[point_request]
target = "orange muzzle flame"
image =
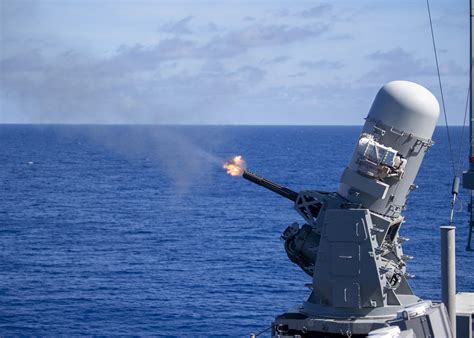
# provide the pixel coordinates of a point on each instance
(235, 166)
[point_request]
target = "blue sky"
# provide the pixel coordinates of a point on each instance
(222, 62)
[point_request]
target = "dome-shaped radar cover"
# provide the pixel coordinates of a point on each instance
(406, 106)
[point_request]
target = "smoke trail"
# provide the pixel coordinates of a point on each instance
(185, 158)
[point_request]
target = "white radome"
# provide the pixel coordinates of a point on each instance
(406, 106)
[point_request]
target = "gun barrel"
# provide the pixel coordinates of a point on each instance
(282, 191)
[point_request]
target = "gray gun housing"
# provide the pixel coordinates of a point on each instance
(300, 244)
(350, 243)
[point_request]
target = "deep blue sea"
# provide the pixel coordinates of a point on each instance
(137, 230)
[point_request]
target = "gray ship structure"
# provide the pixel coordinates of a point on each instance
(349, 240)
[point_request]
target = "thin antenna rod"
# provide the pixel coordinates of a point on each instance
(468, 176)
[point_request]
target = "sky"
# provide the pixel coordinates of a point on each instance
(223, 62)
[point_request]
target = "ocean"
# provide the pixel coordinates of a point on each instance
(137, 230)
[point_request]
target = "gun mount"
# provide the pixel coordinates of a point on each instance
(350, 243)
(300, 243)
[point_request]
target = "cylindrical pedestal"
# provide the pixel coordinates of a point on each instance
(448, 272)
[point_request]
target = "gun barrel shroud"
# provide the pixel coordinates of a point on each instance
(282, 191)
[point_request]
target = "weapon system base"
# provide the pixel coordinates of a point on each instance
(429, 321)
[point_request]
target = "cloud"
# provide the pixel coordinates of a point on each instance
(250, 74)
(341, 37)
(180, 27)
(395, 54)
(299, 74)
(211, 27)
(15, 13)
(162, 82)
(316, 11)
(453, 69)
(308, 13)
(213, 66)
(343, 100)
(260, 35)
(280, 12)
(130, 86)
(399, 64)
(61, 63)
(321, 64)
(275, 60)
(227, 45)
(167, 49)
(140, 83)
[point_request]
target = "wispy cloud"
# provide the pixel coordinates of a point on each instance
(261, 35)
(321, 64)
(161, 62)
(180, 27)
(276, 60)
(307, 13)
(130, 86)
(397, 63)
(316, 11)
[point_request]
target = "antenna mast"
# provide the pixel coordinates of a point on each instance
(468, 176)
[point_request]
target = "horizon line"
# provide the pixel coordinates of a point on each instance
(193, 124)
